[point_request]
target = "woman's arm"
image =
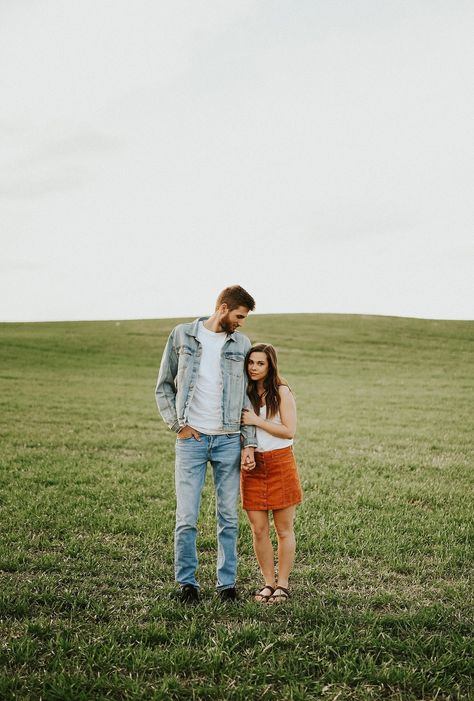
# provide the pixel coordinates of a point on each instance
(287, 428)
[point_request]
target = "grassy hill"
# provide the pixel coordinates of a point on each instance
(382, 601)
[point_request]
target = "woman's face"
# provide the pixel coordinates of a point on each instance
(257, 366)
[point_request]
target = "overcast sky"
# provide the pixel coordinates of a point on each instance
(318, 152)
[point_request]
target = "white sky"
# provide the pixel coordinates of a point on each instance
(317, 152)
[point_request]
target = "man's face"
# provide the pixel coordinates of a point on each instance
(231, 320)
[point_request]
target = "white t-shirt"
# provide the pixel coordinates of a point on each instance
(265, 440)
(205, 408)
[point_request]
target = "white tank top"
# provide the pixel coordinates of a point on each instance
(265, 440)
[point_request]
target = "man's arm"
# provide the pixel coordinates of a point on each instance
(165, 392)
(249, 438)
(248, 433)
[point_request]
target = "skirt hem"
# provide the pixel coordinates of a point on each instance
(271, 508)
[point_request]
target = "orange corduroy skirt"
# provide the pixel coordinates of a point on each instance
(274, 482)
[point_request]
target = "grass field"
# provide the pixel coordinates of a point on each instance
(382, 601)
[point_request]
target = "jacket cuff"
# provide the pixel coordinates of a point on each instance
(249, 443)
(175, 426)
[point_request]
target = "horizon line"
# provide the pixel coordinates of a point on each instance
(193, 316)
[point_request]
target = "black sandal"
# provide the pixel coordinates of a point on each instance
(279, 598)
(263, 597)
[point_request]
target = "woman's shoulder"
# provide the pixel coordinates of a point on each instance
(284, 390)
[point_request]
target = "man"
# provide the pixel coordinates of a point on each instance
(201, 391)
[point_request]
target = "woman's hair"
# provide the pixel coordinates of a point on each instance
(271, 383)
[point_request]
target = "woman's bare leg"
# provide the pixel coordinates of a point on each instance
(262, 545)
(283, 519)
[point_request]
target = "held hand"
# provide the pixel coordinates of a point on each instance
(247, 461)
(188, 432)
(249, 417)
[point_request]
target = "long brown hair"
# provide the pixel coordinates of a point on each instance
(271, 382)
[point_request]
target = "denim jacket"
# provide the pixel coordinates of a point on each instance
(179, 372)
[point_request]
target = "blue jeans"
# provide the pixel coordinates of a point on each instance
(192, 456)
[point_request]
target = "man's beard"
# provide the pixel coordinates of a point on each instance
(226, 325)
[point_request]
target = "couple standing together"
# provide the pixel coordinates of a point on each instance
(229, 406)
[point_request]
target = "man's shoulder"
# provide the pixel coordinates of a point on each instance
(243, 341)
(184, 328)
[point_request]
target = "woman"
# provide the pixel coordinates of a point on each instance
(273, 484)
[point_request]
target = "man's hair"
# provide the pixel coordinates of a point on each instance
(235, 296)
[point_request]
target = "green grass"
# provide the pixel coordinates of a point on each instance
(382, 601)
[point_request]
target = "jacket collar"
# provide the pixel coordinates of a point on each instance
(193, 329)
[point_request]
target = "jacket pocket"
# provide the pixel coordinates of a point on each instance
(234, 363)
(185, 359)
